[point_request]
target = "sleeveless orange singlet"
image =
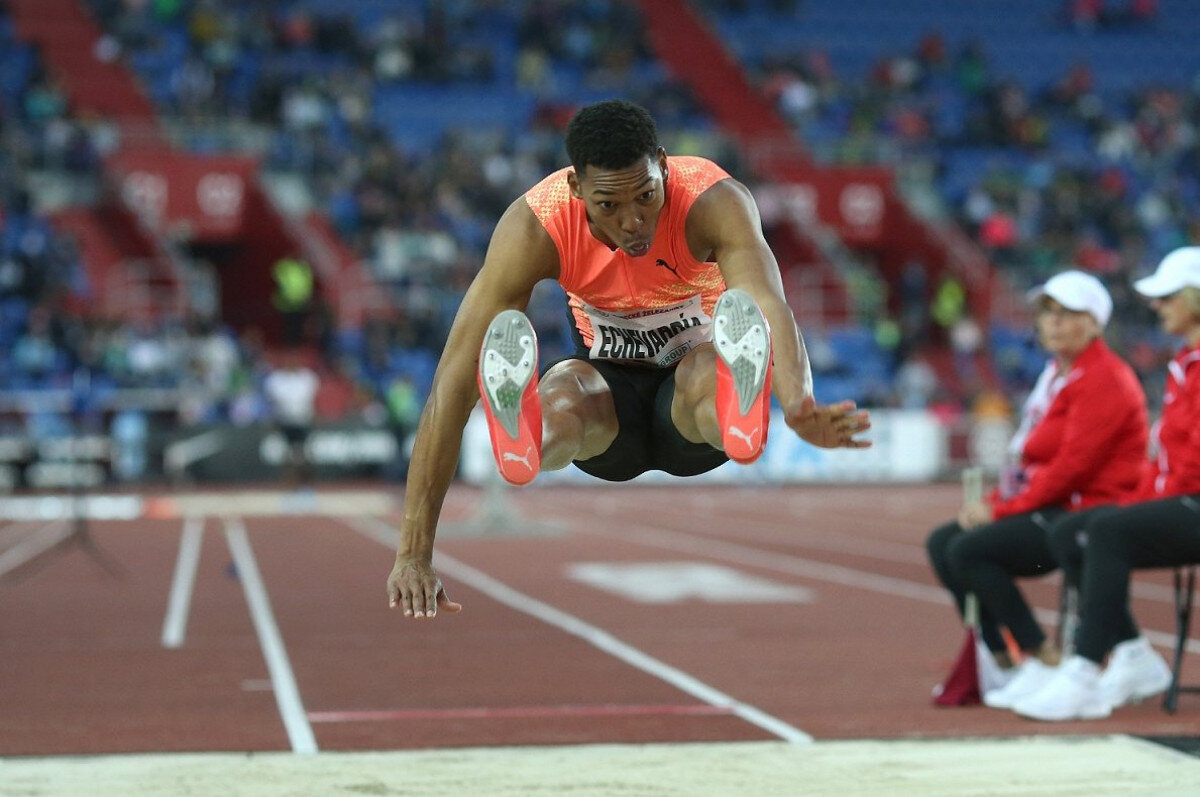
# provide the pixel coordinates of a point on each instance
(649, 310)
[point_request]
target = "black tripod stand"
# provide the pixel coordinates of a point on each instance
(71, 528)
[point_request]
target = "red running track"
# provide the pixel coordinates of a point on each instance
(294, 647)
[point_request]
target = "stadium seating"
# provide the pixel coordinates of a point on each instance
(1023, 41)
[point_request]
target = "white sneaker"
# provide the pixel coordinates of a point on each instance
(1031, 676)
(1135, 672)
(1072, 694)
(991, 675)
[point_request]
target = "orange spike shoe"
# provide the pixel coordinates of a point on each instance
(742, 339)
(508, 380)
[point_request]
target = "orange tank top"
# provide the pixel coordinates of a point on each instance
(651, 309)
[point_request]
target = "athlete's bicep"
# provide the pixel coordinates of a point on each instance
(520, 255)
(728, 219)
(724, 221)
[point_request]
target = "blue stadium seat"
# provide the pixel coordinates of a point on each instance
(1022, 39)
(418, 115)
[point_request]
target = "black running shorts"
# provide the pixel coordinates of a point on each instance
(646, 439)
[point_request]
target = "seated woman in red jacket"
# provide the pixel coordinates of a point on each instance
(1157, 526)
(1080, 444)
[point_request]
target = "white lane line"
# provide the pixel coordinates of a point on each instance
(842, 542)
(287, 694)
(38, 542)
(657, 537)
(385, 534)
(753, 529)
(180, 600)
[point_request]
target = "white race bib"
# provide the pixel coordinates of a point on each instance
(658, 336)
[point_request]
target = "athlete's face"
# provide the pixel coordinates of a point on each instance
(1065, 333)
(623, 204)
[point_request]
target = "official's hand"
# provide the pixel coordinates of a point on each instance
(975, 514)
(414, 585)
(829, 426)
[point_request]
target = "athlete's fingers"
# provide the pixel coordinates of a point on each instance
(430, 595)
(418, 600)
(843, 407)
(445, 603)
(809, 411)
(856, 423)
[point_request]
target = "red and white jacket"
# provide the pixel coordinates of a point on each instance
(1174, 466)
(1089, 448)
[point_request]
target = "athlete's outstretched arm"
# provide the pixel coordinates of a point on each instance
(520, 254)
(725, 221)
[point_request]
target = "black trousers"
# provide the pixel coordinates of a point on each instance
(1067, 538)
(1162, 533)
(986, 561)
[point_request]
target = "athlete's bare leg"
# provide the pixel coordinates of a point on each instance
(694, 406)
(579, 418)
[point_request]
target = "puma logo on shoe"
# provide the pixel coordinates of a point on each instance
(749, 438)
(509, 456)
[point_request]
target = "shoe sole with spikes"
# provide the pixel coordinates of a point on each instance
(742, 339)
(508, 361)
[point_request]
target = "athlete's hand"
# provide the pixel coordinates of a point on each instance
(829, 426)
(415, 586)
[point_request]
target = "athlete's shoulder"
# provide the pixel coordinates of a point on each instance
(549, 196)
(521, 225)
(693, 174)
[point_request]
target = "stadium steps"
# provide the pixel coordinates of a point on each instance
(125, 270)
(130, 271)
(816, 293)
(718, 83)
(346, 281)
(67, 37)
(679, 36)
(129, 265)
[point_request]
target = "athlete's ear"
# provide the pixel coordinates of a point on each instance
(661, 157)
(573, 184)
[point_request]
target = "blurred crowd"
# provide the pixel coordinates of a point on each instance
(1042, 180)
(1053, 178)
(1067, 177)
(419, 217)
(1057, 178)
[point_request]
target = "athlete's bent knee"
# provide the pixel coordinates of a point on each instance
(695, 376)
(577, 409)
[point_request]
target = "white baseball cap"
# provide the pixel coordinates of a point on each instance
(1177, 270)
(1076, 290)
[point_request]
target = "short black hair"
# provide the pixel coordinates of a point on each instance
(611, 134)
